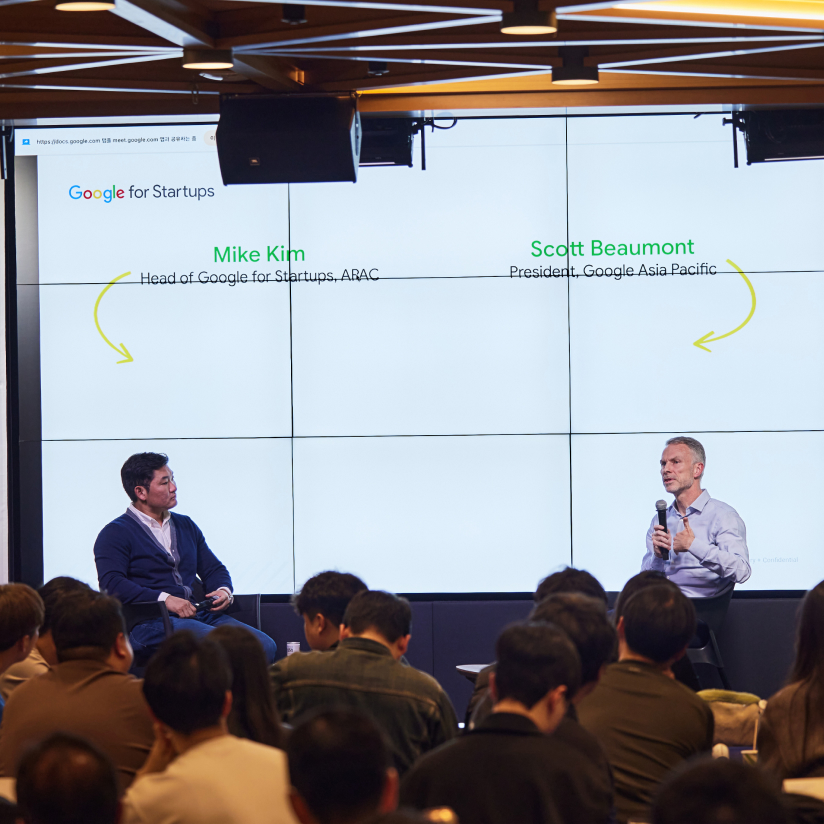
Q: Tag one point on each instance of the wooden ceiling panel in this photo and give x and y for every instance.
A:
(440, 54)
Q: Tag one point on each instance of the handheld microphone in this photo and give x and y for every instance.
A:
(661, 506)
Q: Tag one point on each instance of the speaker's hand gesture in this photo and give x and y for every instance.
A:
(683, 540)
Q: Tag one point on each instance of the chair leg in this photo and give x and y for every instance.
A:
(721, 671)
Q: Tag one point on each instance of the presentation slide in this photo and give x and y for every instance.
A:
(454, 380)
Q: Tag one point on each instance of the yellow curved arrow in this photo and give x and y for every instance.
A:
(707, 338)
(122, 350)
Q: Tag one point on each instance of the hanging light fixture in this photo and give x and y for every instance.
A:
(574, 72)
(207, 59)
(527, 19)
(85, 5)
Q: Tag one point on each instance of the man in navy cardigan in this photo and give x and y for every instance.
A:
(150, 554)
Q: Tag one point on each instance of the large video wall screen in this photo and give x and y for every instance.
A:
(451, 380)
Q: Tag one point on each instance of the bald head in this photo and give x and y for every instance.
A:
(66, 780)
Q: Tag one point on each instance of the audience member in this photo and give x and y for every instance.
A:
(66, 780)
(646, 721)
(322, 602)
(508, 769)
(791, 740)
(682, 668)
(197, 772)
(365, 672)
(89, 693)
(718, 792)
(568, 579)
(341, 768)
(253, 715)
(43, 655)
(21, 616)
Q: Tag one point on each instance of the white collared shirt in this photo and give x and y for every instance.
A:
(163, 535)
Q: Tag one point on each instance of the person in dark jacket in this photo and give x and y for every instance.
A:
(512, 767)
(150, 554)
(365, 672)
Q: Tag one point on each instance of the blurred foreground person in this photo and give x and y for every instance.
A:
(341, 769)
(719, 792)
(66, 780)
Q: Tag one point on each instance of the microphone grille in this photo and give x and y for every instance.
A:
(660, 505)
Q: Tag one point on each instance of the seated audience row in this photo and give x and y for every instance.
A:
(563, 732)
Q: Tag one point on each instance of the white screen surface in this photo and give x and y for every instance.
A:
(447, 422)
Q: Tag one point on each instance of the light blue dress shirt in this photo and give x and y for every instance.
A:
(718, 557)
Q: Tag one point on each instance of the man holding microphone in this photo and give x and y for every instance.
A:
(705, 539)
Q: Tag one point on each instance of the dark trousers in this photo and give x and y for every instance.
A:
(149, 635)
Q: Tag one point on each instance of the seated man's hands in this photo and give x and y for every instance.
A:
(222, 599)
(180, 607)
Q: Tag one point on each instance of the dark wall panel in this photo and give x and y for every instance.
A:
(756, 642)
(465, 633)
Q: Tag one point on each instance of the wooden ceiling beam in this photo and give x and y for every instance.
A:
(346, 31)
(268, 72)
(170, 19)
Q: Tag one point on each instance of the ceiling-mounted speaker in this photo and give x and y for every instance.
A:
(783, 134)
(266, 139)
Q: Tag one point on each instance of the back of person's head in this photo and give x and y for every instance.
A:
(86, 624)
(139, 470)
(533, 659)
(585, 621)
(328, 593)
(253, 713)
(387, 614)
(66, 780)
(340, 766)
(658, 623)
(809, 639)
(570, 580)
(718, 792)
(21, 614)
(53, 591)
(186, 682)
(647, 578)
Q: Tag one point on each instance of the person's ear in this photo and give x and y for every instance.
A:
(697, 470)
(227, 705)
(300, 808)
(620, 629)
(493, 687)
(556, 702)
(122, 648)
(320, 623)
(345, 632)
(402, 644)
(389, 795)
(141, 492)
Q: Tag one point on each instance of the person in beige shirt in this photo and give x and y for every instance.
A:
(89, 693)
(197, 772)
(44, 655)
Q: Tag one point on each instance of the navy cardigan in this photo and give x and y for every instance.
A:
(133, 566)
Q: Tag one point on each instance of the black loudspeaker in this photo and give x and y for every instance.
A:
(784, 134)
(387, 141)
(263, 139)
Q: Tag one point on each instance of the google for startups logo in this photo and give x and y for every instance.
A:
(106, 195)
